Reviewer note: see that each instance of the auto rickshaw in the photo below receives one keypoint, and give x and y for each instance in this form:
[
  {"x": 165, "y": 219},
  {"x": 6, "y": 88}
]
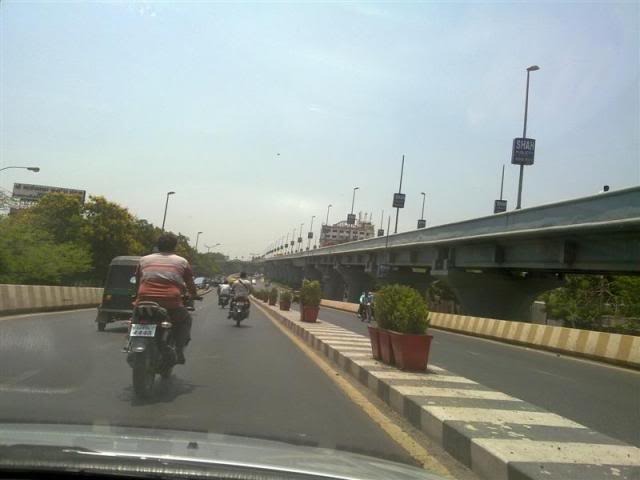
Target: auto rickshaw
[{"x": 119, "y": 290}]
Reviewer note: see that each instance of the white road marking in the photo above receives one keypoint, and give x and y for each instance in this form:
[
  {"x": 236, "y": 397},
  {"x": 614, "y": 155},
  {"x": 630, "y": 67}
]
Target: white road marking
[
  {"x": 454, "y": 393},
  {"x": 500, "y": 417}
]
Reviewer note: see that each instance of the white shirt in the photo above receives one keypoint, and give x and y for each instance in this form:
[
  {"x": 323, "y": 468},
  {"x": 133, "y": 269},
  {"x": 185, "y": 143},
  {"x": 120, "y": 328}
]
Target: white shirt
[{"x": 225, "y": 289}]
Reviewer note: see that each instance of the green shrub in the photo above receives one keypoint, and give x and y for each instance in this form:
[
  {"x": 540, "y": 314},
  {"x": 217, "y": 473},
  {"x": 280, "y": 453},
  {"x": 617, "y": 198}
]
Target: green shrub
[
  {"x": 285, "y": 296},
  {"x": 311, "y": 293},
  {"x": 273, "y": 295},
  {"x": 401, "y": 309}
]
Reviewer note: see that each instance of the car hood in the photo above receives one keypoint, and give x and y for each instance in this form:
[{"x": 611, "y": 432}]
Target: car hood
[{"x": 93, "y": 443}]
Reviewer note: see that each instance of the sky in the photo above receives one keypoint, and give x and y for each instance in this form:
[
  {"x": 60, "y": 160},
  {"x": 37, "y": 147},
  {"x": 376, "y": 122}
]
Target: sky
[{"x": 259, "y": 115}]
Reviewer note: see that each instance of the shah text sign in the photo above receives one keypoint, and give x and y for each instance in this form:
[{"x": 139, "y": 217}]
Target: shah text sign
[{"x": 523, "y": 151}]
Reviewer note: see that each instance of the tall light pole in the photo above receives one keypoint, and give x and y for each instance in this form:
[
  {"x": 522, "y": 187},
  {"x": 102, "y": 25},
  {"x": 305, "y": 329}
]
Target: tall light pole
[
  {"x": 300, "y": 237},
  {"x": 530, "y": 69},
  {"x": 292, "y": 242},
  {"x": 209, "y": 247},
  {"x": 328, "y": 208},
  {"x": 398, "y": 207},
  {"x": 197, "y": 240},
  {"x": 310, "y": 235},
  {"x": 32, "y": 169},
  {"x": 422, "y": 223},
  {"x": 166, "y": 204},
  {"x": 353, "y": 198}
]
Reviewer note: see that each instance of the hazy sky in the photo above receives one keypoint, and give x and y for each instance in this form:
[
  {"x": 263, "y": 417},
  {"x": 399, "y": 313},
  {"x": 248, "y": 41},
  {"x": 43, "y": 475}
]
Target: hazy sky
[{"x": 130, "y": 100}]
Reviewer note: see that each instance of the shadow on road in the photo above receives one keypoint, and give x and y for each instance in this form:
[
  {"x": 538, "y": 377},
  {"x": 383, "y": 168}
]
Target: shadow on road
[{"x": 164, "y": 391}]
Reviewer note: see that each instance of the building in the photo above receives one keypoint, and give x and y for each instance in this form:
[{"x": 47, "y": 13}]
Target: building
[{"x": 342, "y": 232}]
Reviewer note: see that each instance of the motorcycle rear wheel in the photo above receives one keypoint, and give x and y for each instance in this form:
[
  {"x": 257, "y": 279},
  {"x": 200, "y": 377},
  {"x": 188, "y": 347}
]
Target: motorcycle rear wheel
[{"x": 143, "y": 375}]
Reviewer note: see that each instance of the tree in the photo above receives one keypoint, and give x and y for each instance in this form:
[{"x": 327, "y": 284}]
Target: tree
[
  {"x": 58, "y": 214},
  {"x": 30, "y": 255},
  {"x": 110, "y": 231}
]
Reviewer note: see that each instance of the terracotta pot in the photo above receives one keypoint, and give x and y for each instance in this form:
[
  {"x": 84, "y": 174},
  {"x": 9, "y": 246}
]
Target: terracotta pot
[
  {"x": 375, "y": 341},
  {"x": 309, "y": 314},
  {"x": 285, "y": 306},
  {"x": 386, "y": 351},
  {"x": 411, "y": 352}
]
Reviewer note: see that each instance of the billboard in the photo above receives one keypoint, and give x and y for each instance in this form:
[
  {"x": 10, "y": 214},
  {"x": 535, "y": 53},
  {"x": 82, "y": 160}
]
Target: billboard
[
  {"x": 398, "y": 200},
  {"x": 33, "y": 193},
  {"x": 523, "y": 151}
]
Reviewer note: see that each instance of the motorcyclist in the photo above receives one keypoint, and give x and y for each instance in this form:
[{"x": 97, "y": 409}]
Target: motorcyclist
[
  {"x": 164, "y": 278},
  {"x": 241, "y": 288},
  {"x": 224, "y": 291},
  {"x": 365, "y": 298}
]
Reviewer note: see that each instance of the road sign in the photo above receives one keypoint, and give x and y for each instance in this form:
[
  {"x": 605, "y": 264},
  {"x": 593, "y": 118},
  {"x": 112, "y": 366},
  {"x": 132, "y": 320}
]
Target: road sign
[
  {"x": 523, "y": 151},
  {"x": 310, "y": 235},
  {"x": 33, "y": 193},
  {"x": 381, "y": 232},
  {"x": 292, "y": 243},
  {"x": 299, "y": 239},
  {"x": 422, "y": 223},
  {"x": 398, "y": 200},
  {"x": 499, "y": 206},
  {"x": 351, "y": 219}
]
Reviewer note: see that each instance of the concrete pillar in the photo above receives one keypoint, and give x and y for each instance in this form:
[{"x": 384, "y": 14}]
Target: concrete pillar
[
  {"x": 332, "y": 283},
  {"x": 406, "y": 276},
  {"x": 310, "y": 272},
  {"x": 501, "y": 295},
  {"x": 356, "y": 280}
]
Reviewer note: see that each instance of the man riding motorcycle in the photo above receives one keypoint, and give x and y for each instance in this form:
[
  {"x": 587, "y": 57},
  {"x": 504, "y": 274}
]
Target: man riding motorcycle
[
  {"x": 164, "y": 278},
  {"x": 241, "y": 288},
  {"x": 224, "y": 291}
]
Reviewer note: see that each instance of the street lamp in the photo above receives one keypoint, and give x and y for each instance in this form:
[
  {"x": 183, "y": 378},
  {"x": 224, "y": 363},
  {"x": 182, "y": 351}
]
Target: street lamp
[
  {"x": 310, "y": 235},
  {"x": 353, "y": 199},
  {"x": 328, "y": 208},
  {"x": 32, "y": 169},
  {"x": 166, "y": 204},
  {"x": 530, "y": 69},
  {"x": 422, "y": 222},
  {"x": 197, "y": 240},
  {"x": 300, "y": 237},
  {"x": 209, "y": 247}
]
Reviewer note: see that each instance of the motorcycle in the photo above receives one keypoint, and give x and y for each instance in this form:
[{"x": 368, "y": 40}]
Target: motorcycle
[
  {"x": 239, "y": 310},
  {"x": 223, "y": 301},
  {"x": 151, "y": 346}
]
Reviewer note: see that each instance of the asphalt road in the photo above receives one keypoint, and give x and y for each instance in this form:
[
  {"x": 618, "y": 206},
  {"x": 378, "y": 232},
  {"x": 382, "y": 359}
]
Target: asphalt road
[
  {"x": 249, "y": 381},
  {"x": 604, "y": 398}
]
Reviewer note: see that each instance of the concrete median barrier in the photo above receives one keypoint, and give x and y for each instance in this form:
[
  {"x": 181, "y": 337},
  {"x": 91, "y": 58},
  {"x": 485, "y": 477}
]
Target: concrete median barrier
[
  {"x": 606, "y": 347},
  {"x": 16, "y": 299}
]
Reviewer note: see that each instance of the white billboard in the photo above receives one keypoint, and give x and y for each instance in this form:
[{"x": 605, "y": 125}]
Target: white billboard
[{"x": 26, "y": 191}]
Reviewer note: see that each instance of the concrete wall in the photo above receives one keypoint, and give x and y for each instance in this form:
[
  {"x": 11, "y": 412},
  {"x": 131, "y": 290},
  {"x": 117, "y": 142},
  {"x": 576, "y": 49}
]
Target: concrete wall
[
  {"x": 38, "y": 298},
  {"x": 607, "y": 347}
]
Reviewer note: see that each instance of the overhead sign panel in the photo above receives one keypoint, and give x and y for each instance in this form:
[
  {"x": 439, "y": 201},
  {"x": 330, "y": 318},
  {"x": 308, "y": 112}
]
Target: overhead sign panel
[
  {"x": 523, "y": 151},
  {"x": 29, "y": 192}
]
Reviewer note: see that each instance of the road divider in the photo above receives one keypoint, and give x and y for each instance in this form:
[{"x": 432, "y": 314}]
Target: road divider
[
  {"x": 498, "y": 436},
  {"x": 42, "y": 298},
  {"x": 612, "y": 348}
]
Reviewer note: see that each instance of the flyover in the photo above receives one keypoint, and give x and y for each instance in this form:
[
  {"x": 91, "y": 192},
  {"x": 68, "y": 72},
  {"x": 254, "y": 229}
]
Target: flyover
[{"x": 496, "y": 265}]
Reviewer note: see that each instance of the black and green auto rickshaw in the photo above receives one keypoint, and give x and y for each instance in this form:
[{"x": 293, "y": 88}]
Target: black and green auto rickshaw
[{"x": 119, "y": 289}]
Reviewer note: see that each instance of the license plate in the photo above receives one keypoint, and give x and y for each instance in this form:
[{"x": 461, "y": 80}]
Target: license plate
[{"x": 142, "y": 330}]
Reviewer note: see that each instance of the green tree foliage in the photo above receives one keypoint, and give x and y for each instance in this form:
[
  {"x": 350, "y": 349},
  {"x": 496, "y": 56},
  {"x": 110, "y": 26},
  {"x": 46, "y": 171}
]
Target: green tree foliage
[
  {"x": 61, "y": 241},
  {"x": 29, "y": 255},
  {"x": 585, "y": 299},
  {"x": 110, "y": 231}
]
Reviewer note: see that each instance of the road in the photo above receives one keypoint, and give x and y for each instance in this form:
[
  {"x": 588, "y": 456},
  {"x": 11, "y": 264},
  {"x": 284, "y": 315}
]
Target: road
[
  {"x": 599, "y": 396},
  {"x": 250, "y": 381}
]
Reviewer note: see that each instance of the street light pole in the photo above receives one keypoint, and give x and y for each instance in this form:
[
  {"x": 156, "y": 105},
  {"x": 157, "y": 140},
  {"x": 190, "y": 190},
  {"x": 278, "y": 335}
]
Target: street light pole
[
  {"x": 328, "y": 208},
  {"x": 32, "y": 169},
  {"x": 197, "y": 240},
  {"x": 166, "y": 204},
  {"x": 530, "y": 69},
  {"x": 353, "y": 199},
  {"x": 311, "y": 232},
  {"x": 424, "y": 197},
  {"x": 399, "y": 191},
  {"x": 300, "y": 237}
]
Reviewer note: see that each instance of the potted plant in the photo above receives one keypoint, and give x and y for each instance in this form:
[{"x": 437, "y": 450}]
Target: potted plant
[
  {"x": 273, "y": 296},
  {"x": 285, "y": 300},
  {"x": 402, "y": 316},
  {"x": 310, "y": 296}
]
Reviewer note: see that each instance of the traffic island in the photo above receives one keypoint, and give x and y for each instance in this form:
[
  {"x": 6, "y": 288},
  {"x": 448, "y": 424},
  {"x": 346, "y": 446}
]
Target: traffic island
[{"x": 497, "y": 436}]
